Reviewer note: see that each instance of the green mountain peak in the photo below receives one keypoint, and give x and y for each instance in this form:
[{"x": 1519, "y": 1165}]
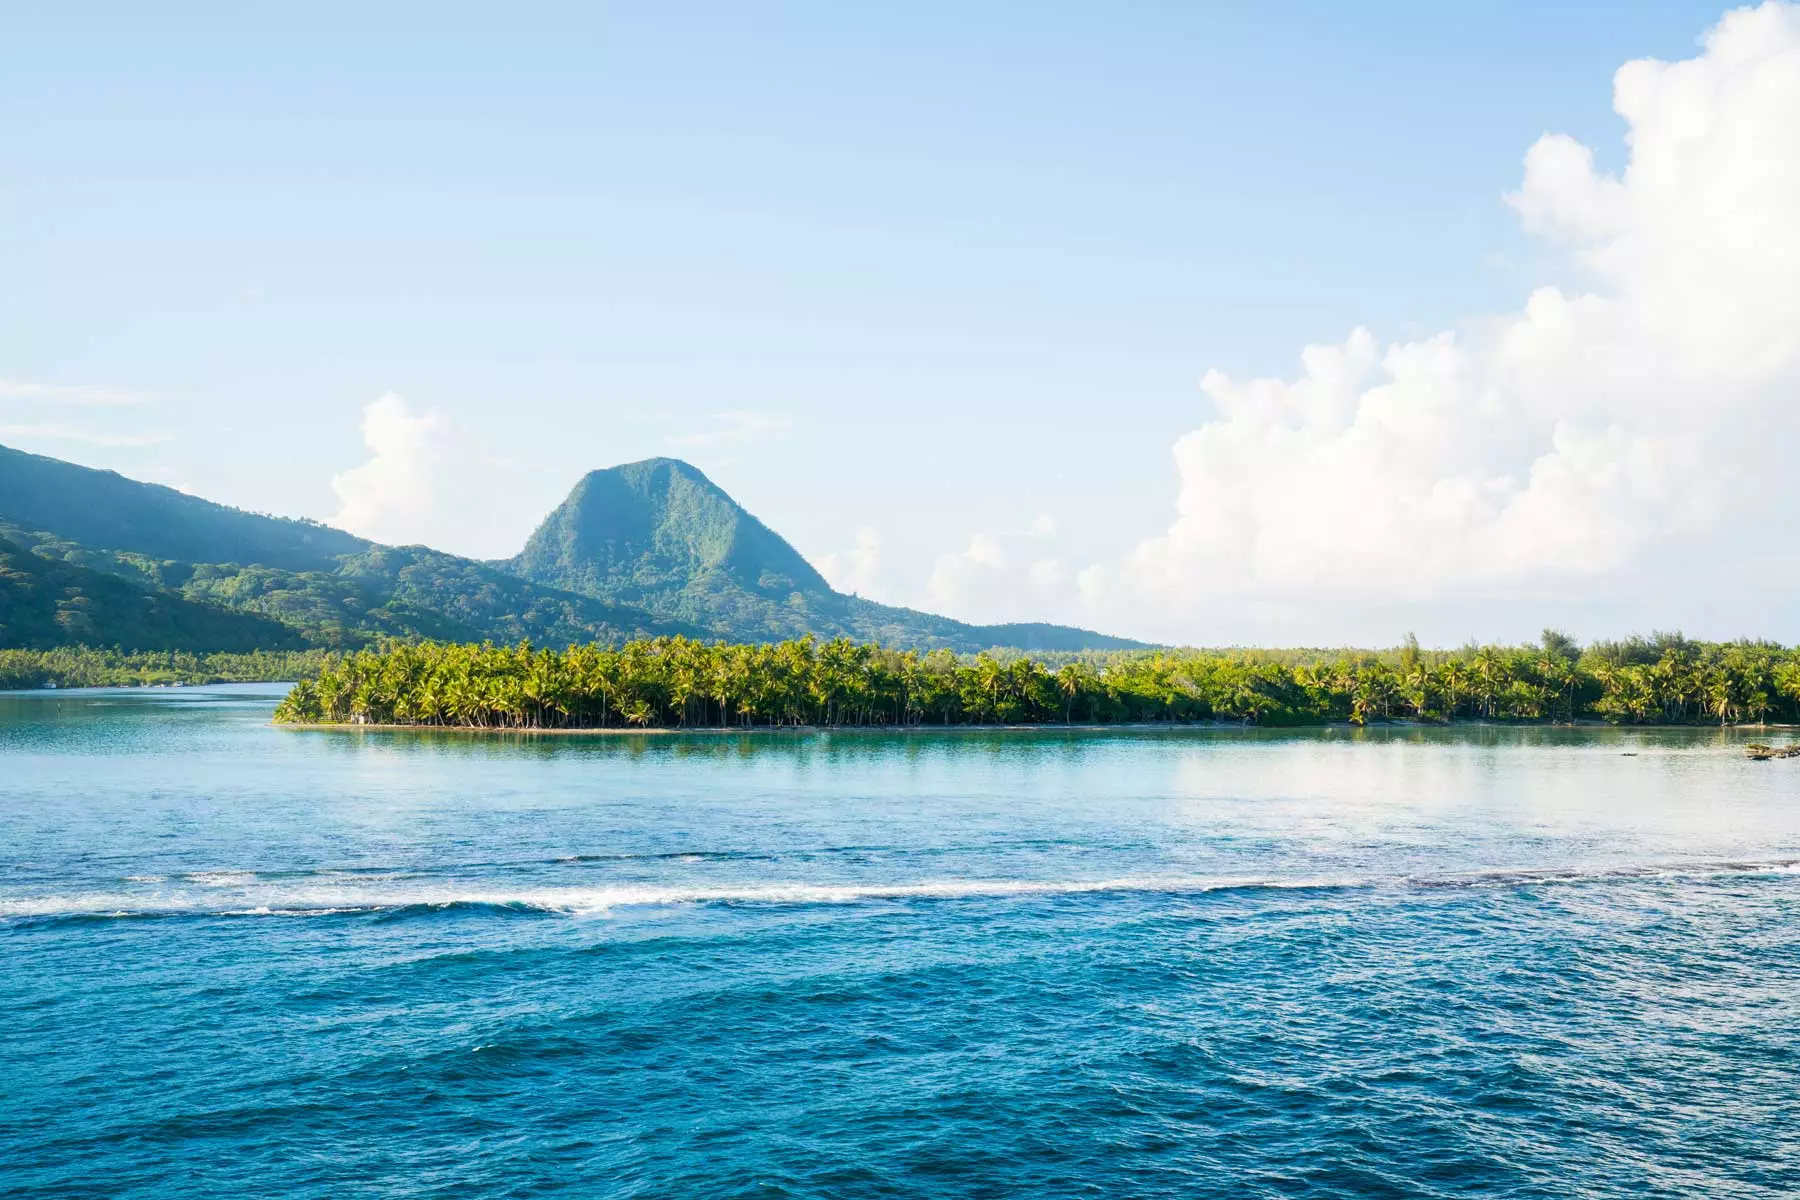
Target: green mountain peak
[{"x": 642, "y": 528}]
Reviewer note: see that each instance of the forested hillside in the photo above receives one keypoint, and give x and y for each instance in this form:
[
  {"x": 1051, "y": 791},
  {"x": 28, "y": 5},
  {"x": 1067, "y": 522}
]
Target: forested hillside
[
  {"x": 45, "y": 602},
  {"x": 306, "y": 584},
  {"x": 105, "y": 510},
  {"x": 647, "y": 549}
]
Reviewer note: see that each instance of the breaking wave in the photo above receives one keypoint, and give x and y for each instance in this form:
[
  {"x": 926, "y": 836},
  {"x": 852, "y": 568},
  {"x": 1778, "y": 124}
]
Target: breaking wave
[{"x": 245, "y": 893}]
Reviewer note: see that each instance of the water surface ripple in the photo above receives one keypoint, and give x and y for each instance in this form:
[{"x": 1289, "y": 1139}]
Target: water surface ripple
[{"x": 1408, "y": 963}]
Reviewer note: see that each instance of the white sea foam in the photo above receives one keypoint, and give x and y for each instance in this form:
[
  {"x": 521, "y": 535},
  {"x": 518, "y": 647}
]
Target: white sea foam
[
  {"x": 272, "y": 900},
  {"x": 252, "y": 896}
]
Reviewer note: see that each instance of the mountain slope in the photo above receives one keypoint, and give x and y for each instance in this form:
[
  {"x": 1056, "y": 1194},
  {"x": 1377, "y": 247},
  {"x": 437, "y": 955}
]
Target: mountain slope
[
  {"x": 46, "y": 603},
  {"x": 105, "y": 510},
  {"x": 326, "y": 586},
  {"x": 642, "y": 529},
  {"x": 661, "y": 536}
]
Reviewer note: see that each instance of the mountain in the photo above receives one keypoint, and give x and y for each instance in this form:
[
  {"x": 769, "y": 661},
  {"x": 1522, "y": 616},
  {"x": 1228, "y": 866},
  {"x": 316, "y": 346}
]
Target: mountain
[
  {"x": 306, "y": 581},
  {"x": 649, "y": 548},
  {"x": 660, "y": 536}
]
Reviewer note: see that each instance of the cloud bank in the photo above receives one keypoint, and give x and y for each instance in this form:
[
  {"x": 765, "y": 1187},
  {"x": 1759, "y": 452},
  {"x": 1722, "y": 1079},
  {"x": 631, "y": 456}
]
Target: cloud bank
[
  {"x": 1624, "y": 450},
  {"x": 428, "y": 481}
]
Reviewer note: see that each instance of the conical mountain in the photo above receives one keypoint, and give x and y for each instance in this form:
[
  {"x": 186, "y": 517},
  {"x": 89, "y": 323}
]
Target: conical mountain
[
  {"x": 660, "y": 536},
  {"x": 647, "y": 527}
]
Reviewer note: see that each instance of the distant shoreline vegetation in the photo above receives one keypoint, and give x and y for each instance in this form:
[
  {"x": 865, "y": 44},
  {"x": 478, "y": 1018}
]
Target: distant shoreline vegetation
[
  {"x": 682, "y": 683},
  {"x": 86, "y": 666}
]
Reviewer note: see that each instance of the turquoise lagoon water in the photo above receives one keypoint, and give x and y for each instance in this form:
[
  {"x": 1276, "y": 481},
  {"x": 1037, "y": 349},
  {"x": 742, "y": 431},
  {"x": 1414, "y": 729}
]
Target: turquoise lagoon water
[{"x": 243, "y": 961}]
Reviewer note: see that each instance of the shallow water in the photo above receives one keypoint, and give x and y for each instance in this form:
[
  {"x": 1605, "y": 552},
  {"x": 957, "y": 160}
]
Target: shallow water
[{"x": 1474, "y": 962}]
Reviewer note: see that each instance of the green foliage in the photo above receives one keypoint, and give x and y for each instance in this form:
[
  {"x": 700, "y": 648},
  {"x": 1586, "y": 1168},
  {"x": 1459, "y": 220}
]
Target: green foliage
[
  {"x": 641, "y": 530},
  {"x": 360, "y": 599},
  {"x": 681, "y": 682},
  {"x": 48, "y": 602},
  {"x": 83, "y": 666}
]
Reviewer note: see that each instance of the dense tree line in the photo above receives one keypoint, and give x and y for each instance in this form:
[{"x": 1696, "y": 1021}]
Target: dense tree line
[
  {"x": 681, "y": 682},
  {"x": 84, "y": 666}
]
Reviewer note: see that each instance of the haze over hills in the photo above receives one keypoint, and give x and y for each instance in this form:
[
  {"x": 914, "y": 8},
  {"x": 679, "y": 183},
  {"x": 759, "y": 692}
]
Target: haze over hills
[{"x": 647, "y": 548}]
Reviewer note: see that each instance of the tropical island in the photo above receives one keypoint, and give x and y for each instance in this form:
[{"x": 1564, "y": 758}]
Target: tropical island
[
  {"x": 651, "y": 599},
  {"x": 680, "y": 683}
]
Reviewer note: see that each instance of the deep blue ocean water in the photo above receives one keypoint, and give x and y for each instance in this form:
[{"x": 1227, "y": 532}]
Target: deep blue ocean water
[{"x": 243, "y": 961}]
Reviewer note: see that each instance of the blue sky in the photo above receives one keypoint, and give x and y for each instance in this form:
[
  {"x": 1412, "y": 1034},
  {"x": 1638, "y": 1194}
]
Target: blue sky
[{"x": 919, "y": 277}]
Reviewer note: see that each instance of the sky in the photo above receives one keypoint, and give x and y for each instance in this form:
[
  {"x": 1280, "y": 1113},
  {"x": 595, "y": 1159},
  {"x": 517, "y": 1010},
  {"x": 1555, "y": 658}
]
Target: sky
[{"x": 1265, "y": 323}]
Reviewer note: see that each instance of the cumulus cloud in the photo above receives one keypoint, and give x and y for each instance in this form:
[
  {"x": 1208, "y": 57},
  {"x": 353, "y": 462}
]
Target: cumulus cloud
[
  {"x": 858, "y": 569},
  {"x": 429, "y": 481},
  {"x": 400, "y": 483},
  {"x": 1633, "y": 437},
  {"x": 998, "y": 575}
]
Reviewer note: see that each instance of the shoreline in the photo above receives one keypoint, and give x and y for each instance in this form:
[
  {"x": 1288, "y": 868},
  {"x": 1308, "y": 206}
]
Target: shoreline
[{"x": 1048, "y": 727}]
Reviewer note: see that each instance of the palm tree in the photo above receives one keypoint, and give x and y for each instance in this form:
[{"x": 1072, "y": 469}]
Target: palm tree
[{"x": 1070, "y": 680}]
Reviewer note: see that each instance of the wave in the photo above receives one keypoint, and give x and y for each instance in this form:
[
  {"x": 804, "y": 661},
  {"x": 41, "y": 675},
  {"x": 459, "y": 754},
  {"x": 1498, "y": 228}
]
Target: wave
[
  {"x": 280, "y": 899},
  {"x": 587, "y": 900}
]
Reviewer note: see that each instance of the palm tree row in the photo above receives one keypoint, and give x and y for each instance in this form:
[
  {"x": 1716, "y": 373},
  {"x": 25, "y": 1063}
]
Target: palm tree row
[{"x": 678, "y": 682}]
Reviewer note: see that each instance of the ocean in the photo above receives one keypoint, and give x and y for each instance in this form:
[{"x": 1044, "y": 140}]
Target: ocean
[{"x": 237, "y": 960}]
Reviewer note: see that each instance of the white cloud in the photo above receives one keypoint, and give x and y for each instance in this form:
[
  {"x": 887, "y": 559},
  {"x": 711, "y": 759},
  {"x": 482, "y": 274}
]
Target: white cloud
[
  {"x": 52, "y": 393},
  {"x": 857, "y": 570},
  {"x": 738, "y": 427},
  {"x": 400, "y": 484},
  {"x": 998, "y": 577},
  {"x": 1630, "y": 444},
  {"x": 429, "y": 481},
  {"x": 56, "y": 432}
]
